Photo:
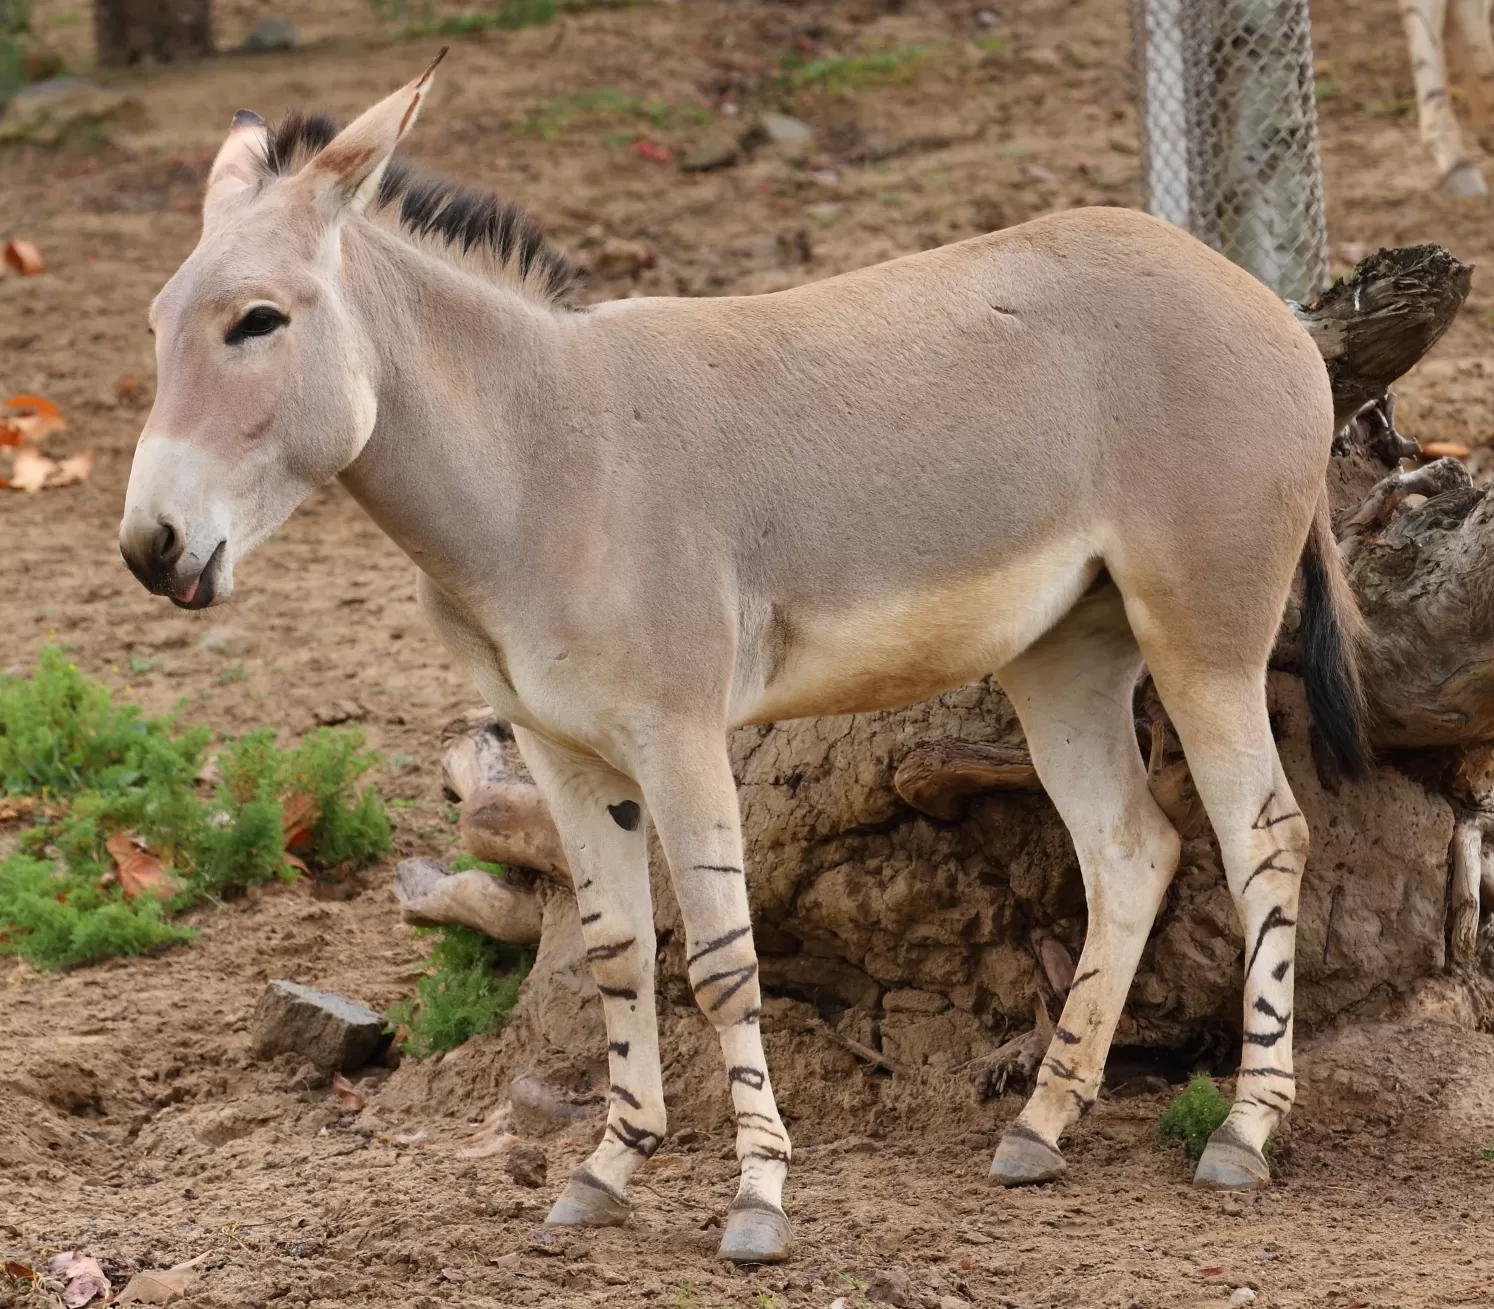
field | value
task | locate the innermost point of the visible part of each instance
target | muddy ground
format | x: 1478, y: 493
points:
x: 133, y: 1123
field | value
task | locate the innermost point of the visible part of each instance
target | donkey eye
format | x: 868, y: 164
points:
x: 259, y: 321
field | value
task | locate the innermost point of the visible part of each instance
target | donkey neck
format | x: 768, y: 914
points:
x: 462, y: 369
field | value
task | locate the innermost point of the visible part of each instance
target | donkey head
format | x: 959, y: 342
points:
x: 264, y: 379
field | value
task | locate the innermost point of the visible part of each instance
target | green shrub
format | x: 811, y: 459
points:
x: 471, y: 989
x: 99, y: 768
x: 57, y: 921
x: 1195, y: 1114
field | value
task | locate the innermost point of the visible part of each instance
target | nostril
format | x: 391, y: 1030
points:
x: 166, y: 546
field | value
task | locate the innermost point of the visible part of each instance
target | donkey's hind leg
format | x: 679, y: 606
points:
x: 1073, y: 691
x: 600, y: 819
x: 1221, y: 719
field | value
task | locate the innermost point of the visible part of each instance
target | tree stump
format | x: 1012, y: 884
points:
x: 128, y: 32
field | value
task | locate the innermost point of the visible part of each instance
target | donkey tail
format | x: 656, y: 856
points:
x: 1331, y: 633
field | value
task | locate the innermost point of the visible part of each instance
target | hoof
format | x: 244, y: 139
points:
x: 1023, y: 1158
x: 1465, y: 182
x: 587, y: 1202
x: 1231, y: 1164
x: 756, y: 1233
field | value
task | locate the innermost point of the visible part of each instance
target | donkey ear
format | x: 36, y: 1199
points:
x: 239, y: 160
x: 345, y: 175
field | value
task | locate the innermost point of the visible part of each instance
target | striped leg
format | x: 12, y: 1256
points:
x: 1425, y: 22
x: 600, y: 818
x: 1478, y: 40
x: 693, y: 799
x: 1262, y: 835
x: 1073, y: 692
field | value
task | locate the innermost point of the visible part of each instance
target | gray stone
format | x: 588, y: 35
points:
x: 784, y: 129
x: 270, y: 34
x: 328, y: 1029
x: 890, y: 1288
x: 538, y: 1108
x: 714, y: 149
x: 46, y: 112
x: 229, y: 641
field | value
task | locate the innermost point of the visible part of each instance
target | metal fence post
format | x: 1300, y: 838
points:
x: 1229, y: 132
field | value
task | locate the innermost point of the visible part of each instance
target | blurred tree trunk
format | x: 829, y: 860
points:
x: 131, y: 31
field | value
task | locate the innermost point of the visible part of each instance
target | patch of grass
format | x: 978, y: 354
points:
x: 996, y: 45
x: 139, y: 665
x: 90, y: 769
x: 238, y: 673
x: 471, y: 989
x: 465, y: 861
x: 841, y: 74
x: 550, y: 118
x: 1195, y: 1114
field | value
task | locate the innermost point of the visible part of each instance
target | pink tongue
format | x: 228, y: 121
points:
x: 186, y: 596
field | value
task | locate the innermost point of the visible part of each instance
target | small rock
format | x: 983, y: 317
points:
x: 46, y: 112
x: 714, y: 149
x: 330, y: 1030
x: 909, y: 1001
x: 339, y: 711
x: 229, y: 641
x: 539, y: 1109
x: 509, y: 1260
x: 973, y: 1236
x: 685, y: 1136
x: 890, y: 1288
x: 526, y: 1164
x: 783, y: 129
x: 1241, y: 1295
x: 953, y: 1302
x: 1232, y: 1207
x: 270, y: 34
x: 547, y: 1241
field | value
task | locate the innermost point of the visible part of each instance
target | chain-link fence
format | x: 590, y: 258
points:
x: 1229, y: 132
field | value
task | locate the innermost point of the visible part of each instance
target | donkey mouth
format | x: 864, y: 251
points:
x: 200, y: 592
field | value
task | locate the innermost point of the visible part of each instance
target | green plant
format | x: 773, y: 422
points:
x: 508, y: 17
x: 838, y: 74
x: 471, y: 988
x: 58, y: 920
x: 465, y: 861
x: 550, y: 118
x: 90, y: 770
x: 1195, y: 1114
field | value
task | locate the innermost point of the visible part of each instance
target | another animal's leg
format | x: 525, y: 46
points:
x: 1221, y: 719
x: 1473, y: 17
x: 693, y: 799
x: 600, y: 818
x: 1425, y: 22
x: 1073, y: 692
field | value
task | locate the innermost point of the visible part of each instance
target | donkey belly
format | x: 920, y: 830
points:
x: 909, y: 643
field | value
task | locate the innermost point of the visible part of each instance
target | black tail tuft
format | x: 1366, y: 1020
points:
x: 1329, y: 637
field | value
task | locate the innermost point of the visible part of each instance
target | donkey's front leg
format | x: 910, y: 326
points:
x: 693, y: 801
x: 599, y: 814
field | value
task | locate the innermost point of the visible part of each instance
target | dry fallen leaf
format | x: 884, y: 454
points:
x: 161, y: 1286
x: 72, y: 470
x: 19, y: 1271
x: 24, y: 258
x: 509, y: 1260
x: 30, y: 469
x: 348, y: 1095
x: 1444, y: 450
x: 83, y: 1276
x: 300, y: 814
x: 29, y: 418
x: 139, y: 872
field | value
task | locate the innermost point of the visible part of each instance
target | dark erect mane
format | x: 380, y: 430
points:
x: 459, y: 218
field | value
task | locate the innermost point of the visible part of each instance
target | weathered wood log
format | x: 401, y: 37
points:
x: 1372, y: 326
x: 504, y: 818
x: 938, y: 779
x: 429, y: 896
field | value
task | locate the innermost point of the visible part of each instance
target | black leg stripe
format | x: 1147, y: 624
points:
x: 618, y: 992
x: 1066, y: 1036
x: 751, y: 1077
x: 710, y: 947
x: 1273, y: 920
x: 598, y: 953
x: 626, y: 1096
x: 718, y: 868
x: 588, y: 919
x: 1081, y: 979
x: 619, y: 1048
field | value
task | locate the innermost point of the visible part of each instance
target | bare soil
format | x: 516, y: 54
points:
x: 133, y: 1123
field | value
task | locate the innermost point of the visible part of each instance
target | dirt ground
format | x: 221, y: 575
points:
x: 133, y: 1123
